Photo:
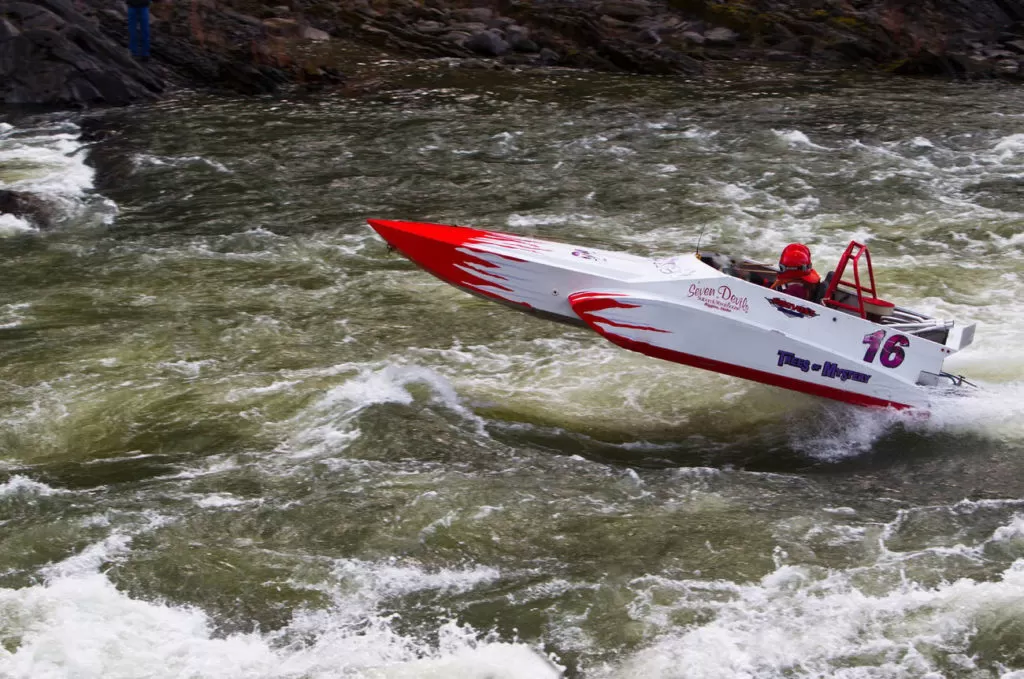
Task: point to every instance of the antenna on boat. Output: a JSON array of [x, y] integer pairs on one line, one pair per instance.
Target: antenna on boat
[[701, 237]]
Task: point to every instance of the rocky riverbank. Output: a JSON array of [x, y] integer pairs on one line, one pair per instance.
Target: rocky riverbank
[[73, 52]]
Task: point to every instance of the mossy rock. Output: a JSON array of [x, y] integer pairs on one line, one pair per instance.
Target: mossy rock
[[849, 22]]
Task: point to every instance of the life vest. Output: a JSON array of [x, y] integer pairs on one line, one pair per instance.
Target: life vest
[[799, 284]]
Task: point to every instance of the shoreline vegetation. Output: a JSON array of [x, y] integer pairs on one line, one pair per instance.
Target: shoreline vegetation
[[74, 53]]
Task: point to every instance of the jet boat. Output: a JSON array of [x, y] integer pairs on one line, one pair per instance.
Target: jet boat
[[707, 310]]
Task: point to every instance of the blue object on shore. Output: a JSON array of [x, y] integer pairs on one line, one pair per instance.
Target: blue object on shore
[[138, 31]]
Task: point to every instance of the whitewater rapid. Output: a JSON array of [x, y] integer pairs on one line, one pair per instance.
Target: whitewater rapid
[[238, 438]]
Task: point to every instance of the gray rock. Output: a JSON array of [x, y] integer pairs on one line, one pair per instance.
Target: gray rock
[[548, 57], [857, 49], [517, 59], [649, 36], [51, 54], [29, 16], [1016, 45], [625, 10], [315, 34], [481, 64], [472, 27], [663, 23], [804, 44], [515, 30], [243, 18], [777, 55], [1007, 67], [430, 27], [695, 38], [721, 36], [7, 30], [487, 44], [456, 37], [474, 15], [523, 45], [29, 206], [613, 23], [281, 26]]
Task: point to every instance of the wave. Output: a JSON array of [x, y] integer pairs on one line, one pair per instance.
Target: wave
[[47, 160]]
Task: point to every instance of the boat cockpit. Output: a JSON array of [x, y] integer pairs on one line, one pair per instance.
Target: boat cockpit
[[848, 291]]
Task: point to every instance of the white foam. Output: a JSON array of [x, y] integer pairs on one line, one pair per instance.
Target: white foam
[[797, 139], [328, 425], [12, 315], [90, 559], [22, 485], [803, 622], [219, 501], [12, 226], [189, 369], [1011, 532], [78, 624], [150, 160], [1009, 147], [50, 161]]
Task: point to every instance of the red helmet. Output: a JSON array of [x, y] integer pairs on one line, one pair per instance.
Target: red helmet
[[795, 257]]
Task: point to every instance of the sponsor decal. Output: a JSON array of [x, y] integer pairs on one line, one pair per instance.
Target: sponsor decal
[[720, 298], [792, 309], [827, 369], [586, 254]]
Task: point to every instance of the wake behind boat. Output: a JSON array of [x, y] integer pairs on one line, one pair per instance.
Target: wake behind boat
[[707, 310]]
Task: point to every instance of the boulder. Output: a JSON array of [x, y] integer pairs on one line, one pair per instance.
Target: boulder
[[1007, 67], [625, 10], [68, 64], [315, 34], [523, 45], [487, 43], [928, 62], [613, 23], [649, 36], [456, 37], [7, 30], [33, 16], [548, 57], [29, 206], [517, 59], [856, 50], [695, 38], [430, 27], [515, 30], [804, 45], [242, 18], [721, 36], [474, 15], [471, 27], [281, 26]]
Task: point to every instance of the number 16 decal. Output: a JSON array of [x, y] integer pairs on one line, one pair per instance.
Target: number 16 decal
[[892, 351]]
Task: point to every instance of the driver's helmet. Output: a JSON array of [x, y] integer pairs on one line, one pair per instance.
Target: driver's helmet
[[795, 259]]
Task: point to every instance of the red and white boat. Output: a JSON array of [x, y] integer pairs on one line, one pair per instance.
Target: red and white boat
[[706, 310]]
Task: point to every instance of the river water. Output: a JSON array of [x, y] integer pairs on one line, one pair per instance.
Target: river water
[[238, 438]]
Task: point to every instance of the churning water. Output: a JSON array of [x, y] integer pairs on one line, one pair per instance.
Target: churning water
[[240, 439]]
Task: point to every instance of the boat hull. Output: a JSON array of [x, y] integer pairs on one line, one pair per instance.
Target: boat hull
[[681, 310]]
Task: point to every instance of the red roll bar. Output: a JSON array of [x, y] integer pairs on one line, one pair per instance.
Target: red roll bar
[[866, 294]]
